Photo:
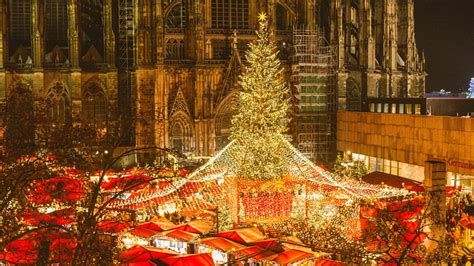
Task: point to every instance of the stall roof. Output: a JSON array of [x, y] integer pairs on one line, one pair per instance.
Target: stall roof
[[180, 235], [243, 235], [291, 256], [221, 243], [196, 227], [377, 178], [143, 253], [191, 259], [143, 232], [254, 252], [162, 222]]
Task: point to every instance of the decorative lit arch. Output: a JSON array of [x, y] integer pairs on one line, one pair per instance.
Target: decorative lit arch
[[353, 96], [223, 120]]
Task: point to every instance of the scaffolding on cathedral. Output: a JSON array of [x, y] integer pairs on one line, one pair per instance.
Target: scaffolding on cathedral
[[314, 79]]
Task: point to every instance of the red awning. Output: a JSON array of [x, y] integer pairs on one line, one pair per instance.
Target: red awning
[[181, 235], [377, 178], [244, 235], [162, 222], [196, 227], [254, 252], [143, 253], [139, 263], [154, 226], [267, 243], [21, 252], [59, 217], [143, 232], [291, 256], [192, 259], [221, 244], [57, 188]]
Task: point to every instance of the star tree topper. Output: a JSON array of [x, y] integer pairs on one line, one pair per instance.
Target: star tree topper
[[262, 16]]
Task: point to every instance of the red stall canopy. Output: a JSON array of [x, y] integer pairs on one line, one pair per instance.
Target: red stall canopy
[[143, 253], [291, 256], [189, 260], [244, 235], [143, 232], [254, 252], [195, 227], [221, 243]]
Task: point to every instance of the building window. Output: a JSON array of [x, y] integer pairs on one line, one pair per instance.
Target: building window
[[91, 30], [181, 133], [176, 18], [282, 23], [223, 121], [59, 104], [353, 94], [401, 108], [220, 49], [354, 48], [56, 24], [417, 109], [20, 24], [175, 49], [230, 14], [94, 106]]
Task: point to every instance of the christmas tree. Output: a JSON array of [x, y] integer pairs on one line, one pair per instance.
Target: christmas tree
[[263, 103]]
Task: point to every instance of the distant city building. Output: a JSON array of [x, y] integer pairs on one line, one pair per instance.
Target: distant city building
[[471, 89]]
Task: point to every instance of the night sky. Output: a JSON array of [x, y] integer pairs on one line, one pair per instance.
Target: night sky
[[445, 31]]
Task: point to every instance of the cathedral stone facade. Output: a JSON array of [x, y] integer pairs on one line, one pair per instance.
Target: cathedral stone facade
[[176, 62]]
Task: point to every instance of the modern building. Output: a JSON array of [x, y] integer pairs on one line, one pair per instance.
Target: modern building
[[174, 63], [400, 144]]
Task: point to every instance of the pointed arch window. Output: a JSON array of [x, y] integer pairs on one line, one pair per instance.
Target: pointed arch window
[[223, 121], [175, 49], [181, 133], [230, 14], [282, 18], [56, 24], [94, 106], [20, 30], [353, 94], [59, 104], [176, 18]]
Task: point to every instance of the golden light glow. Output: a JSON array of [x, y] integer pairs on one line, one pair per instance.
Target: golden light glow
[[262, 16]]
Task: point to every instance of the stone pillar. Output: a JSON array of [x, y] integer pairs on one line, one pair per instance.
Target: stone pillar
[[73, 34], [435, 199], [2, 32], [310, 14], [37, 34], [160, 33], [109, 37]]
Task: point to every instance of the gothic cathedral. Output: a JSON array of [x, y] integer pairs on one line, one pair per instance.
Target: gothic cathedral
[[176, 63]]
